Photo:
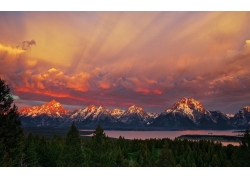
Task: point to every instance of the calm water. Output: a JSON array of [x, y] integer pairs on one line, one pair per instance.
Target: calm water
[[168, 134]]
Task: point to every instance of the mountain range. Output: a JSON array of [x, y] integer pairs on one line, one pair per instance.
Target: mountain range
[[185, 114]]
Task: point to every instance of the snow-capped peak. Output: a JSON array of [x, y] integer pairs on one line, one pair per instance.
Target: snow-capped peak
[[135, 114], [135, 109], [187, 104], [53, 108], [90, 112], [117, 113], [247, 108], [188, 107]]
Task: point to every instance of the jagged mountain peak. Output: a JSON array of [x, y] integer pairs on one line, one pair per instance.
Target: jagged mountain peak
[[135, 109], [247, 108], [101, 108], [52, 104], [242, 117], [135, 115], [189, 108], [117, 113], [53, 108], [188, 103]]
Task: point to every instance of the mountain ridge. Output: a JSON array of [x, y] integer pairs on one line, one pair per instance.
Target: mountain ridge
[[184, 114]]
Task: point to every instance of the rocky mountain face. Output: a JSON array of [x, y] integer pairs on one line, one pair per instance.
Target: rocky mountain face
[[91, 116], [135, 116], [189, 113], [242, 118], [53, 109], [185, 114], [49, 114], [53, 114]]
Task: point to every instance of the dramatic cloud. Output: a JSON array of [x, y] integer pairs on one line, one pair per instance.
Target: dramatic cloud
[[27, 44], [117, 59]]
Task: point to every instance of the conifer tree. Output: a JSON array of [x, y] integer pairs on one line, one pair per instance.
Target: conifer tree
[[71, 155], [242, 155], [166, 157], [11, 133], [102, 149], [32, 155], [54, 149]]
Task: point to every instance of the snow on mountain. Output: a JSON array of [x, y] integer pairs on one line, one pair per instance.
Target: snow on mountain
[[153, 115], [189, 107], [230, 115], [52, 108], [116, 113], [242, 118], [135, 115], [189, 113], [185, 114], [91, 113]]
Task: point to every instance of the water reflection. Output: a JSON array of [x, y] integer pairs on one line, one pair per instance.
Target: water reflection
[[168, 134]]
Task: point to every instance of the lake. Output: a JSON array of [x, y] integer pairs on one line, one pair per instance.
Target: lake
[[168, 134]]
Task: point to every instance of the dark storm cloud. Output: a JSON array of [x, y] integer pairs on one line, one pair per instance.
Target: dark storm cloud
[[27, 44]]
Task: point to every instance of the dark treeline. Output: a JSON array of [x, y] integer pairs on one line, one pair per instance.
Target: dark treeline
[[17, 149], [100, 150]]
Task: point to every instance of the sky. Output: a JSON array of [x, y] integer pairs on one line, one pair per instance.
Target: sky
[[119, 59]]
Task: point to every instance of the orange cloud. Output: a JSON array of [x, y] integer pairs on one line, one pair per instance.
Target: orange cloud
[[10, 50], [157, 91], [141, 90], [52, 94], [104, 85], [128, 54]]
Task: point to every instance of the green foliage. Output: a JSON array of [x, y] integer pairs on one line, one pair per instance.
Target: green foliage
[[102, 150], [245, 142], [71, 154], [242, 154], [11, 133], [166, 157]]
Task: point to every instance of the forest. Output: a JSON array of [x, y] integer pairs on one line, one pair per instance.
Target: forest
[[18, 149]]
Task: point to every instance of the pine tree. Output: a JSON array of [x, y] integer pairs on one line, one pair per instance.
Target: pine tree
[[54, 150], [102, 150], [11, 133], [120, 160], [32, 155], [242, 155], [245, 141], [143, 156], [166, 157], [72, 155]]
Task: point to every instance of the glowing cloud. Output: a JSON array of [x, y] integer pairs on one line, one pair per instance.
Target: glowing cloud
[[10, 50], [157, 91], [141, 90], [122, 58]]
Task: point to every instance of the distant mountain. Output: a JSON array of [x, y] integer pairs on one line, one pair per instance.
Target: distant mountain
[[191, 114], [52, 108], [49, 114], [116, 113], [185, 114], [223, 120], [242, 118], [135, 116], [91, 116], [153, 115]]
